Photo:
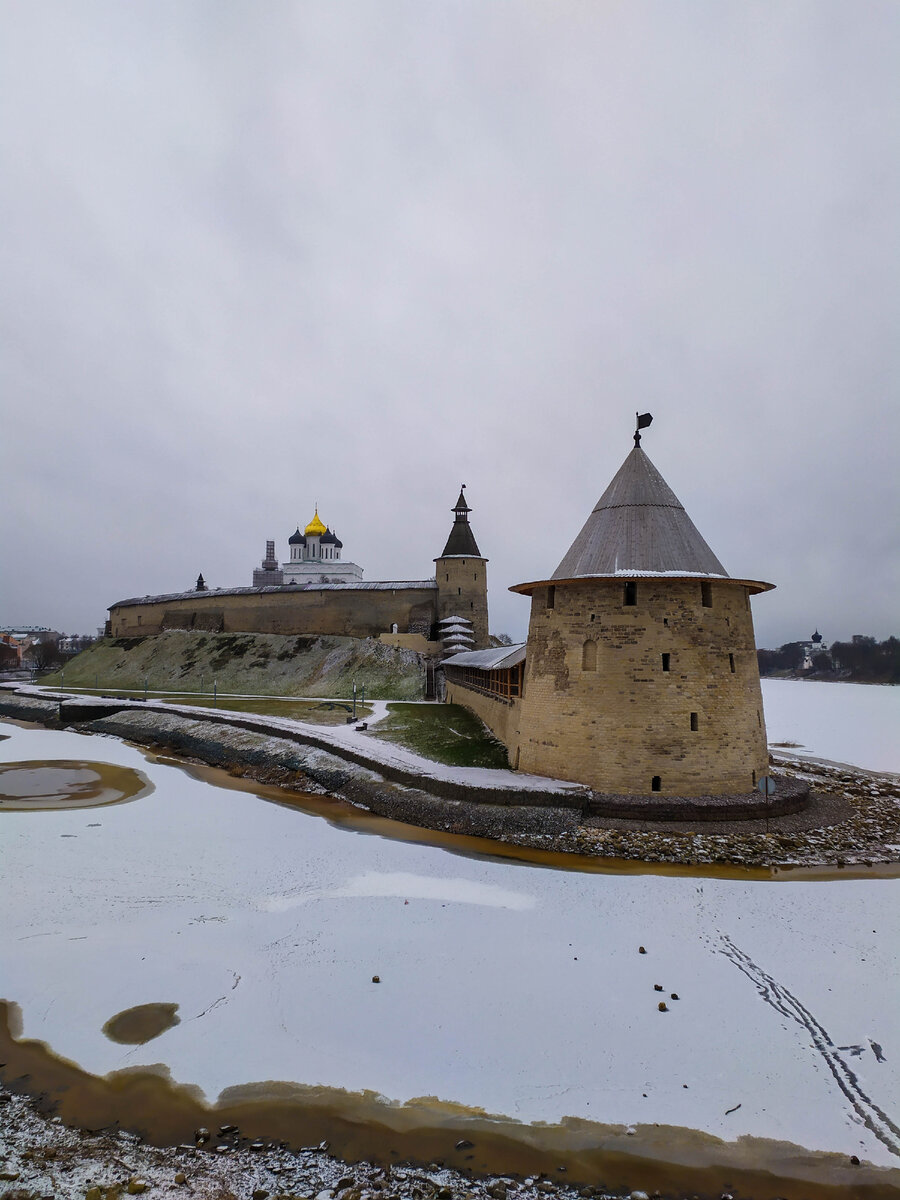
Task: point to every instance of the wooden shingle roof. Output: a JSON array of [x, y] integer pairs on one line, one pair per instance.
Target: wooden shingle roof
[[638, 525]]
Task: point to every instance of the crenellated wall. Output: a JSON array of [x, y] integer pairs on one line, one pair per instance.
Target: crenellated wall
[[602, 706]]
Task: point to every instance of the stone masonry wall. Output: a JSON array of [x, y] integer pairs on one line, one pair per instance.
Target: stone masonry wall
[[501, 716], [462, 591], [349, 613], [608, 714]]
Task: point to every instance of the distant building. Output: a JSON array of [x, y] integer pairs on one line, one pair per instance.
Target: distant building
[[315, 557], [315, 591], [814, 646]]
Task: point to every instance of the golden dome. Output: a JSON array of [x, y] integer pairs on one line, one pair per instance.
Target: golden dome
[[315, 528]]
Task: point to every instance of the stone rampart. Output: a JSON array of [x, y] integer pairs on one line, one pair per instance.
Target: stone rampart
[[351, 612], [499, 714]]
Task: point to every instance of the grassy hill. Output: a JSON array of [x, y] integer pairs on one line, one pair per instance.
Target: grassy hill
[[256, 663]]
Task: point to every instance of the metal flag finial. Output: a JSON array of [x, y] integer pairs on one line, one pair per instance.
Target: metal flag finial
[[641, 421]]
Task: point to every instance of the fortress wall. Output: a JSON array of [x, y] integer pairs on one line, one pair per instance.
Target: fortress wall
[[501, 716], [366, 613], [616, 720]]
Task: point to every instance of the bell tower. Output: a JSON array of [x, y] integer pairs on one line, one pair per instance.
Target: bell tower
[[461, 574]]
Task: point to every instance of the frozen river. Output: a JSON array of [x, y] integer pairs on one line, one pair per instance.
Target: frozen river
[[857, 723], [503, 985]]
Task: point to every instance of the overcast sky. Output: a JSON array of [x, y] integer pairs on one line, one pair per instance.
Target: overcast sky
[[259, 255]]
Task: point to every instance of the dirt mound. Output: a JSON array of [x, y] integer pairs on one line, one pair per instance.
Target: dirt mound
[[258, 663]]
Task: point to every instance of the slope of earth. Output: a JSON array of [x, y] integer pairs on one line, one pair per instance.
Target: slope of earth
[[258, 663]]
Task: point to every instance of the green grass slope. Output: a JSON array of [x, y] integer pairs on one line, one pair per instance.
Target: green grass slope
[[256, 663]]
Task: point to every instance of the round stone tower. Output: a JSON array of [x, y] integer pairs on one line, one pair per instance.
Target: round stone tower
[[641, 672], [461, 575]]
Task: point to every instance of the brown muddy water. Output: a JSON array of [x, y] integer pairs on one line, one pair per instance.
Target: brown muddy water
[[363, 1126], [65, 784], [143, 1023]]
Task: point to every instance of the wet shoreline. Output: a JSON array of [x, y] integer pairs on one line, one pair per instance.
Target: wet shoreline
[[274, 1137]]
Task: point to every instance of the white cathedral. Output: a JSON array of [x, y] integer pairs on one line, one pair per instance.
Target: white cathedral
[[315, 557]]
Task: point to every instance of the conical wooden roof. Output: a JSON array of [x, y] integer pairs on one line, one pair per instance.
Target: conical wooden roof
[[639, 526]]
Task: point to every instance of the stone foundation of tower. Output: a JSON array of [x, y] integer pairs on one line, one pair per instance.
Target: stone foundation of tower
[[661, 694]]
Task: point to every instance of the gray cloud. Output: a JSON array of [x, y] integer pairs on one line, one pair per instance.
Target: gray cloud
[[258, 256]]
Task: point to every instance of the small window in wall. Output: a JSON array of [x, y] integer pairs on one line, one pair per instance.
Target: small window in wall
[[593, 616], [394, 628], [731, 662], [666, 661], [695, 722], [655, 784], [459, 591], [630, 594], [758, 718], [475, 577], [589, 656], [448, 576], [665, 620], [753, 776], [551, 596], [139, 618], [706, 595]]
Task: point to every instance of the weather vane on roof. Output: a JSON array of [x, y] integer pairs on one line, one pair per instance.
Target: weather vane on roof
[[642, 420]]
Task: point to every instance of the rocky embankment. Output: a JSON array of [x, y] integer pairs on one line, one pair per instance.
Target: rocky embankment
[[41, 1159], [247, 663]]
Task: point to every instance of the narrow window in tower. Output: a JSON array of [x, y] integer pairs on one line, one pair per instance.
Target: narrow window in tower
[[753, 777], [666, 660], [695, 725], [706, 595], [589, 656], [665, 620], [731, 662], [459, 591], [655, 783], [551, 596], [448, 576], [472, 604], [758, 719], [630, 594], [475, 577]]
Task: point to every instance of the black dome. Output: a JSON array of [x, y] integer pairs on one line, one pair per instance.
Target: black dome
[[297, 539]]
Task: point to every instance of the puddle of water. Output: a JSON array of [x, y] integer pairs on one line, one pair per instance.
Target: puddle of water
[[365, 1126], [64, 784], [143, 1023]]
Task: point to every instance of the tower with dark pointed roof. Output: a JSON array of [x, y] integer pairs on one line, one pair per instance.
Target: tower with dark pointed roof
[[641, 673], [461, 574]]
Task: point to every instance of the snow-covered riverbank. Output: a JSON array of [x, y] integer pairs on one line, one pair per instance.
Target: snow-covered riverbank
[[503, 987]]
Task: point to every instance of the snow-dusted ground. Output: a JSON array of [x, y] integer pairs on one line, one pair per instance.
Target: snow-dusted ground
[[857, 723], [515, 988]]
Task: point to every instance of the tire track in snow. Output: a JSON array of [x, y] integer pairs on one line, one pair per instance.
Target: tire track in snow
[[786, 1003]]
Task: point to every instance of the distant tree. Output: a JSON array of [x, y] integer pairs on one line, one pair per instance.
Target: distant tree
[[821, 661], [503, 639], [44, 655], [788, 657]]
